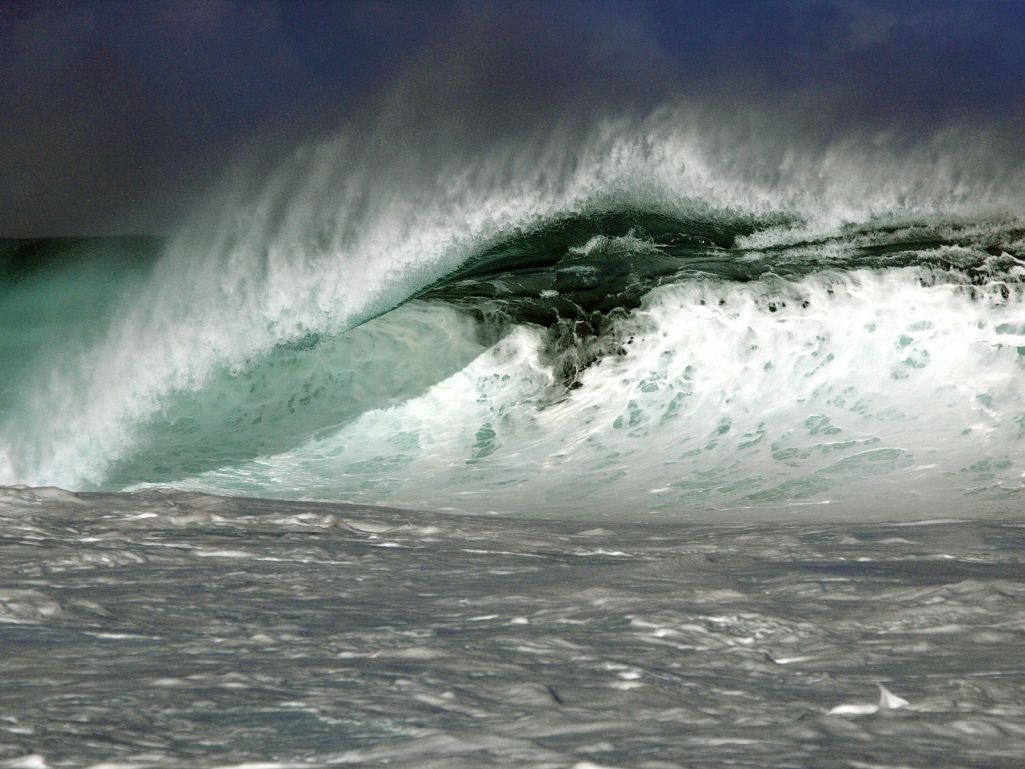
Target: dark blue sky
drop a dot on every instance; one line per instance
(115, 115)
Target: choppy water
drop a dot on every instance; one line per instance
(605, 365)
(171, 629)
(739, 420)
(657, 313)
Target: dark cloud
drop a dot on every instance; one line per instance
(117, 114)
(884, 62)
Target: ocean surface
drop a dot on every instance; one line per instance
(171, 629)
(638, 447)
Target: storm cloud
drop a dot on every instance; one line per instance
(117, 115)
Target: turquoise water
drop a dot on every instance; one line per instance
(662, 314)
(676, 366)
(61, 294)
(703, 438)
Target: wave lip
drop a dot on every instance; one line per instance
(553, 251)
(838, 393)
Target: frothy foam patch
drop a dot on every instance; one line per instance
(601, 245)
(836, 394)
(350, 228)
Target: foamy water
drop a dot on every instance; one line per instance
(171, 629)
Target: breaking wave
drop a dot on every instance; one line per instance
(649, 316)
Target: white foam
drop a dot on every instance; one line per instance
(887, 701)
(33, 761)
(348, 228)
(865, 390)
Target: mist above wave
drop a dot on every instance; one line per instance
(344, 230)
(844, 393)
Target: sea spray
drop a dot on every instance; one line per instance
(637, 210)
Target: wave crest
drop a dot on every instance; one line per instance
(346, 230)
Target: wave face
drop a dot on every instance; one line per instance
(637, 320)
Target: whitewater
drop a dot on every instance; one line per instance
(653, 441)
(697, 323)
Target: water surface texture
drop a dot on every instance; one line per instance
(599, 364)
(171, 629)
(656, 443)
